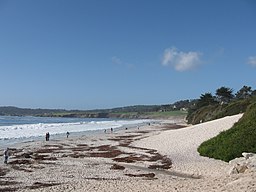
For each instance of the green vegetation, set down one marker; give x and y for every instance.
(242, 136)
(231, 143)
(15, 111)
(226, 146)
(167, 113)
(130, 112)
(209, 107)
(156, 113)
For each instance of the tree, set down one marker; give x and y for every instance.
(205, 100)
(253, 93)
(224, 94)
(244, 92)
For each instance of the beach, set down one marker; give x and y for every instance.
(153, 157)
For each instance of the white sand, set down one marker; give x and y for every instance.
(95, 173)
(181, 146)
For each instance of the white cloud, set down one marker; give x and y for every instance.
(181, 61)
(252, 61)
(115, 60)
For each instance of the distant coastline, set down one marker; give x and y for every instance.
(131, 112)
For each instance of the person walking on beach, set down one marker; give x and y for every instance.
(68, 134)
(6, 155)
(47, 136)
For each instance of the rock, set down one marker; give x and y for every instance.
(233, 170)
(252, 162)
(236, 169)
(118, 167)
(248, 155)
(247, 163)
(241, 168)
(235, 161)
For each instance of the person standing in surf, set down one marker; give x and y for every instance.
(6, 155)
(47, 136)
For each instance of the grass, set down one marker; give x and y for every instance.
(156, 114)
(167, 113)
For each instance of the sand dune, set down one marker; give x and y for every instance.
(181, 146)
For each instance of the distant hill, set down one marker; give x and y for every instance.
(138, 111)
(15, 111)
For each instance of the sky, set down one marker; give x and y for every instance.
(96, 54)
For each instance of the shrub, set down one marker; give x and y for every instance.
(231, 143)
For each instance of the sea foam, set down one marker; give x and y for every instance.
(39, 129)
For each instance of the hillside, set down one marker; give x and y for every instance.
(129, 112)
(231, 143)
(216, 110)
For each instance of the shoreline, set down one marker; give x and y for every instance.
(58, 130)
(125, 160)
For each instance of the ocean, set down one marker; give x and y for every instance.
(24, 129)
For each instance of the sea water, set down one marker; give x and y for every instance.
(23, 129)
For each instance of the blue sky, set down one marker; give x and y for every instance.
(88, 54)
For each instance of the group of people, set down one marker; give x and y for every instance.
(111, 130)
(47, 136)
(7, 152)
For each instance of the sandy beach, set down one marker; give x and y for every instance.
(156, 157)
